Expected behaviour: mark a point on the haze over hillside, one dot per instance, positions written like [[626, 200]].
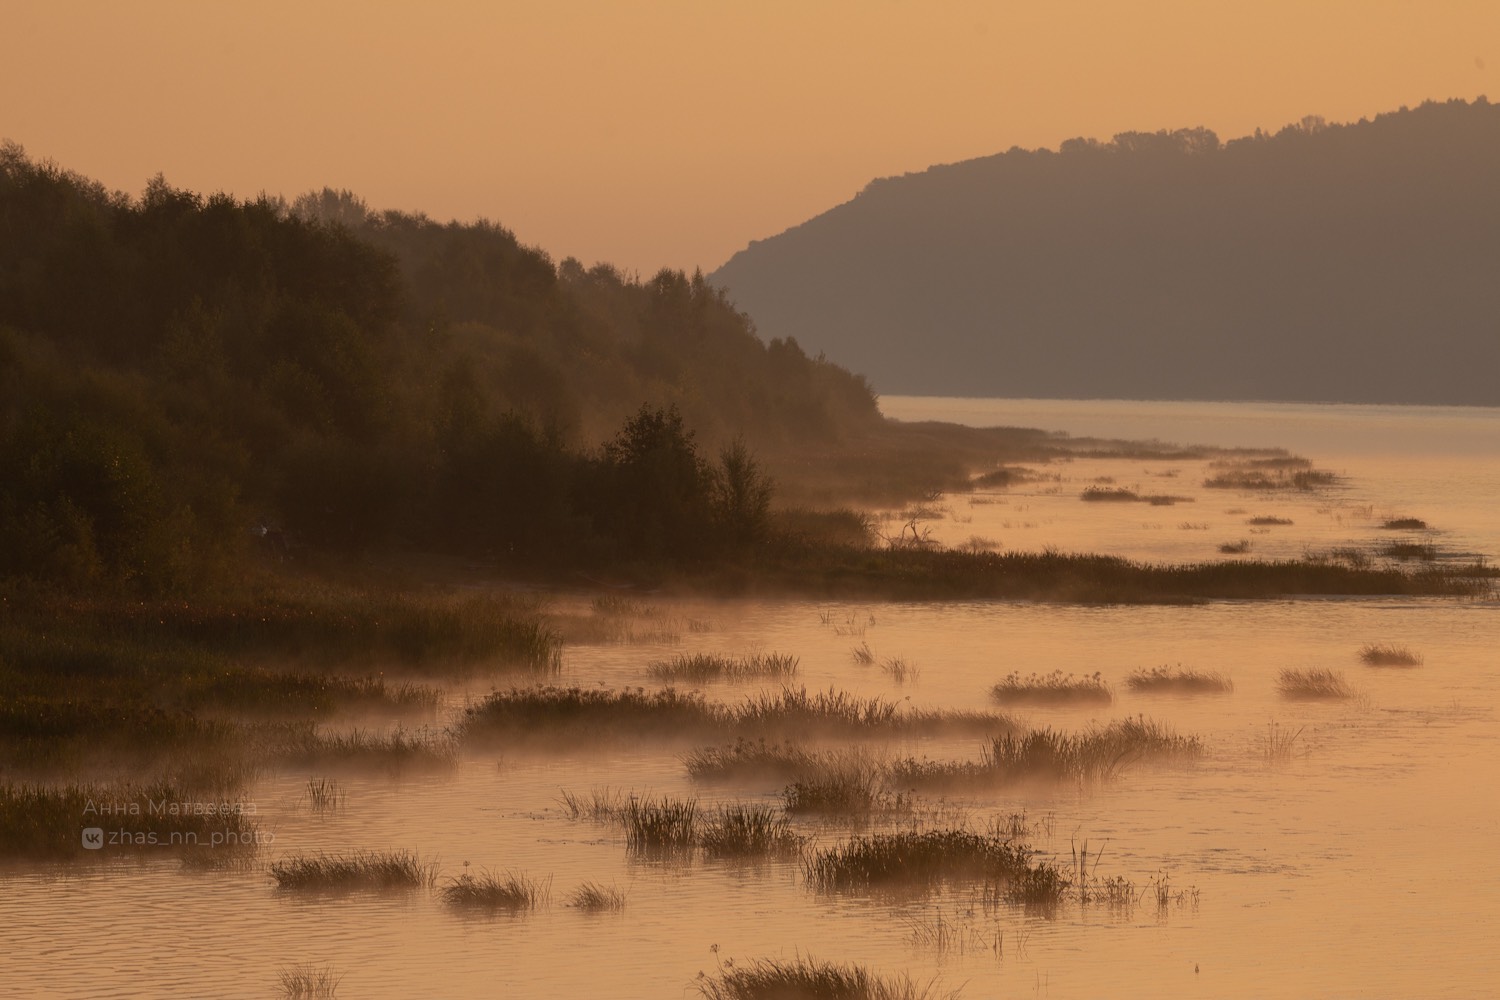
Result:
[[1353, 263]]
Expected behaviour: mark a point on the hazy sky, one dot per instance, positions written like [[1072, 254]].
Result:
[[672, 133]]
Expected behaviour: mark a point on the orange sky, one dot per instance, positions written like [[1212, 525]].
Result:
[[672, 133]]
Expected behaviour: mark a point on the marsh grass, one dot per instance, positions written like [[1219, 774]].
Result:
[[1052, 689], [747, 831], [1094, 754], [745, 758], [308, 982], [1405, 524], [702, 667], [1267, 522], [943, 936], [844, 782], [1109, 494], [1280, 743], [863, 655], [1179, 680], [806, 979], [489, 890], [589, 713], [1384, 655], [41, 821], [600, 805], [592, 897], [401, 749], [663, 824], [900, 669], [920, 859], [1238, 548], [1312, 683], [324, 795], [1289, 472], [1409, 551], [360, 870]]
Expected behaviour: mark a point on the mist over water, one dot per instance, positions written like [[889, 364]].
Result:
[[1359, 863]]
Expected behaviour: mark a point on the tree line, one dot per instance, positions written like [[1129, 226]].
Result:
[[181, 373]]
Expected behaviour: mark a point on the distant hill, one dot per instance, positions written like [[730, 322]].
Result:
[[1353, 263]]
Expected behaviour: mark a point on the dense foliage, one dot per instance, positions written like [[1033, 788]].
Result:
[[188, 382]]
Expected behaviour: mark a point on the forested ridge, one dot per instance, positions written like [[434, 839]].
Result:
[[191, 383], [1322, 262]]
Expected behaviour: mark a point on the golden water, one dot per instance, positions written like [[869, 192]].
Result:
[[1363, 866]]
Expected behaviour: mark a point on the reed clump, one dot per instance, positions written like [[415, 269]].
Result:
[[489, 890], [702, 667], [401, 749], [1377, 654], [1313, 683], [308, 982], [1053, 689], [660, 824], [746, 758], [1109, 494], [746, 831], [807, 979], [1266, 522], [593, 897], [1094, 754], [838, 782], [360, 870], [1405, 524], [1409, 551], [1179, 680], [920, 859]]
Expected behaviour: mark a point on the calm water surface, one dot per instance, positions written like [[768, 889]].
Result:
[[1363, 866]]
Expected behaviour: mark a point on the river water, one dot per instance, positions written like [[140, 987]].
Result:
[[1363, 863]]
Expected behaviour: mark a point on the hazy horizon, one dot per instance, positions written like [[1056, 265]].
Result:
[[673, 137]]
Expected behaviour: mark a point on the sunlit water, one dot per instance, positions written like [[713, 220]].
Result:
[[1363, 866]]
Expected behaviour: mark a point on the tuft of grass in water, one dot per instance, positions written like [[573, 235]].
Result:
[[1053, 688], [361, 870], [664, 824], [1280, 743], [1284, 473], [324, 795], [748, 758], [807, 979], [1383, 655], [1179, 679], [591, 897], [900, 669], [742, 831], [1266, 522], [400, 749], [495, 891], [1109, 494], [595, 713], [1405, 524], [713, 667], [1238, 548], [1409, 551], [920, 859], [1094, 754], [600, 805], [1313, 683], [863, 655], [840, 782], [308, 982]]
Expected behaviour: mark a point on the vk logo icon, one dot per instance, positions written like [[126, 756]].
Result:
[[93, 838]]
